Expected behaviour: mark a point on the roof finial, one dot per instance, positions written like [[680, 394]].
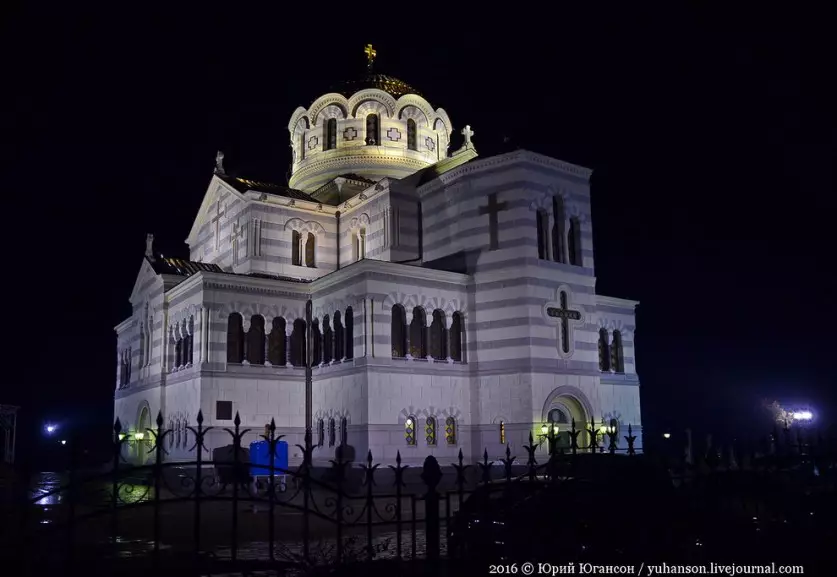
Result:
[[219, 163], [468, 133], [371, 53], [149, 246]]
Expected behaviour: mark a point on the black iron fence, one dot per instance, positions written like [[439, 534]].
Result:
[[208, 517]]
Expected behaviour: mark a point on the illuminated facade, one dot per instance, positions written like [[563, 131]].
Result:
[[454, 297]]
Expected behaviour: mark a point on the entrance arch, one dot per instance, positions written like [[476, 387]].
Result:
[[143, 445], [563, 406]]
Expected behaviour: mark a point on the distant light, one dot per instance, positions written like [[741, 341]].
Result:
[[803, 416], [63, 442], [50, 428], [666, 435], [544, 428], [139, 436]]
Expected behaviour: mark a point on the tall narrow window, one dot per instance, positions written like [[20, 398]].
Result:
[[344, 431], [302, 146], [410, 431], [438, 342], [418, 334], [430, 431], [617, 362], [276, 353], [310, 251], [558, 229], [191, 336], [398, 329], [350, 333], [339, 336], [255, 341], [298, 344], [450, 431], [318, 342], [455, 337], [373, 130], [604, 351], [355, 247], [328, 341], [331, 432], [296, 253], [235, 339], [331, 134], [574, 242], [320, 433], [543, 226], [503, 432], [412, 134]]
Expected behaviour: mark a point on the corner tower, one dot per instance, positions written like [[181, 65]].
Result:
[[374, 127]]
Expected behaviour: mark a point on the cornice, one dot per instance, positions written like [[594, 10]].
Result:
[[615, 302], [357, 155]]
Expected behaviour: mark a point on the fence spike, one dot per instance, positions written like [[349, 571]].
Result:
[[199, 419], [398, 457], [237, 420], [117, 426], [159, 419], [369, 457]]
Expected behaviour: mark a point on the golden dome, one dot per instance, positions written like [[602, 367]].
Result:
[[389, 84]]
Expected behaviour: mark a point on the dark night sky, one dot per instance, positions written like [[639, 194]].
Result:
[[712, 138]]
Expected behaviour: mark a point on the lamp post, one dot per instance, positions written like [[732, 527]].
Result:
[[550, 433]]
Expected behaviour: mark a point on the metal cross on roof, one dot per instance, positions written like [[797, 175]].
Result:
[[371, 53]]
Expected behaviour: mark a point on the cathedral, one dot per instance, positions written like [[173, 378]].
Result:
[[454, 298]]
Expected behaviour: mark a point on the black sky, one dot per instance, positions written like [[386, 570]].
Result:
[[711, 136]]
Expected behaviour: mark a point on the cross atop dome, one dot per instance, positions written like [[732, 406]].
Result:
[[371, 53]]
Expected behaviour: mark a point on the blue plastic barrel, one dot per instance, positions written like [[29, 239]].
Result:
[[260, 458]]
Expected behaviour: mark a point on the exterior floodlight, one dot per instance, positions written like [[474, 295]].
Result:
[[544, 429], [803, 416], [63, 442], [139, 436], [50, 429], [666, 435]]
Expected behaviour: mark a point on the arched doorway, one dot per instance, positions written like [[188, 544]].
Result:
[[142, 436], [563, 406]]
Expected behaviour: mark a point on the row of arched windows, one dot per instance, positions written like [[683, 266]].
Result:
[[561, 242], [124, 367], [182, 344], [411, 431], [333, 342], [373, 133], [303, 250], [418, 340], [610, 352], [332, 432]]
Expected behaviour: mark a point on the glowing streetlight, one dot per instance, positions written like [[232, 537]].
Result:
[[666, 435], [803, 416], [63, 442], [50, 428]]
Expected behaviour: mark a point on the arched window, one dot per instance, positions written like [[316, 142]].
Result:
[[331, 134], [373, 130], [543, 227], [298, 344], [604, 351], [503, 432], [412, 134], [418, 334], [430, 431], [339, 338], [574, 242], [398, 329], [344, 431], [558, 229], [296, 248], [235, 338], [320, 433], [410, 431], [310, 251], [276, 353], [355, 247], [318, 343], [302, 146], [456, 337], [350, 333], [558, 416], [450, 431], [190, 335], [178, 434], [617, 362], [255, 341], [171, 433], [328, 341], [178, 352], [362, 243], [331, 432], [142, 345], [438, 336]]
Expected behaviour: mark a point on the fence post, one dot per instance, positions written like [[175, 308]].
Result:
[[630, 438], [431, 475], [485, 466], [531, 462], [158, 471], [574, 437]]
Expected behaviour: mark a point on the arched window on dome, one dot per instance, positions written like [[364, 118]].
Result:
[[412, 134], [330, 141], [373, 130]]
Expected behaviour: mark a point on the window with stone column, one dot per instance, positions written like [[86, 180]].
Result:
[[574, 242], [331, 432], [350, 333], [604, 350], [398, 329], [412, 134], [311, 251], [276, 353], [558, 229], [255, 340], [331, 134], [418, 334], [339, 338], [617, 361], [298, 344], [438, 336], [317, 347], [542, 228], [373, 130], [296, 248], [456, 337], [235, 338], [328, 341]]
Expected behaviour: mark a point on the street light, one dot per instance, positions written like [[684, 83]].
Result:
[[544, 429], [666, 435], [803, 416], [50, 428]]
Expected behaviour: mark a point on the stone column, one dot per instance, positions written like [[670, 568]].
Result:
[[409, 316], [268, 323], [365, 325], [550, 238], [289, 329], [448, 324], [246, 326], [565, 238]]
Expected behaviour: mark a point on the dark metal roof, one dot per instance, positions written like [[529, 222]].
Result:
[[181, 267], [277, 277], [245, 184], [389, 84]]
